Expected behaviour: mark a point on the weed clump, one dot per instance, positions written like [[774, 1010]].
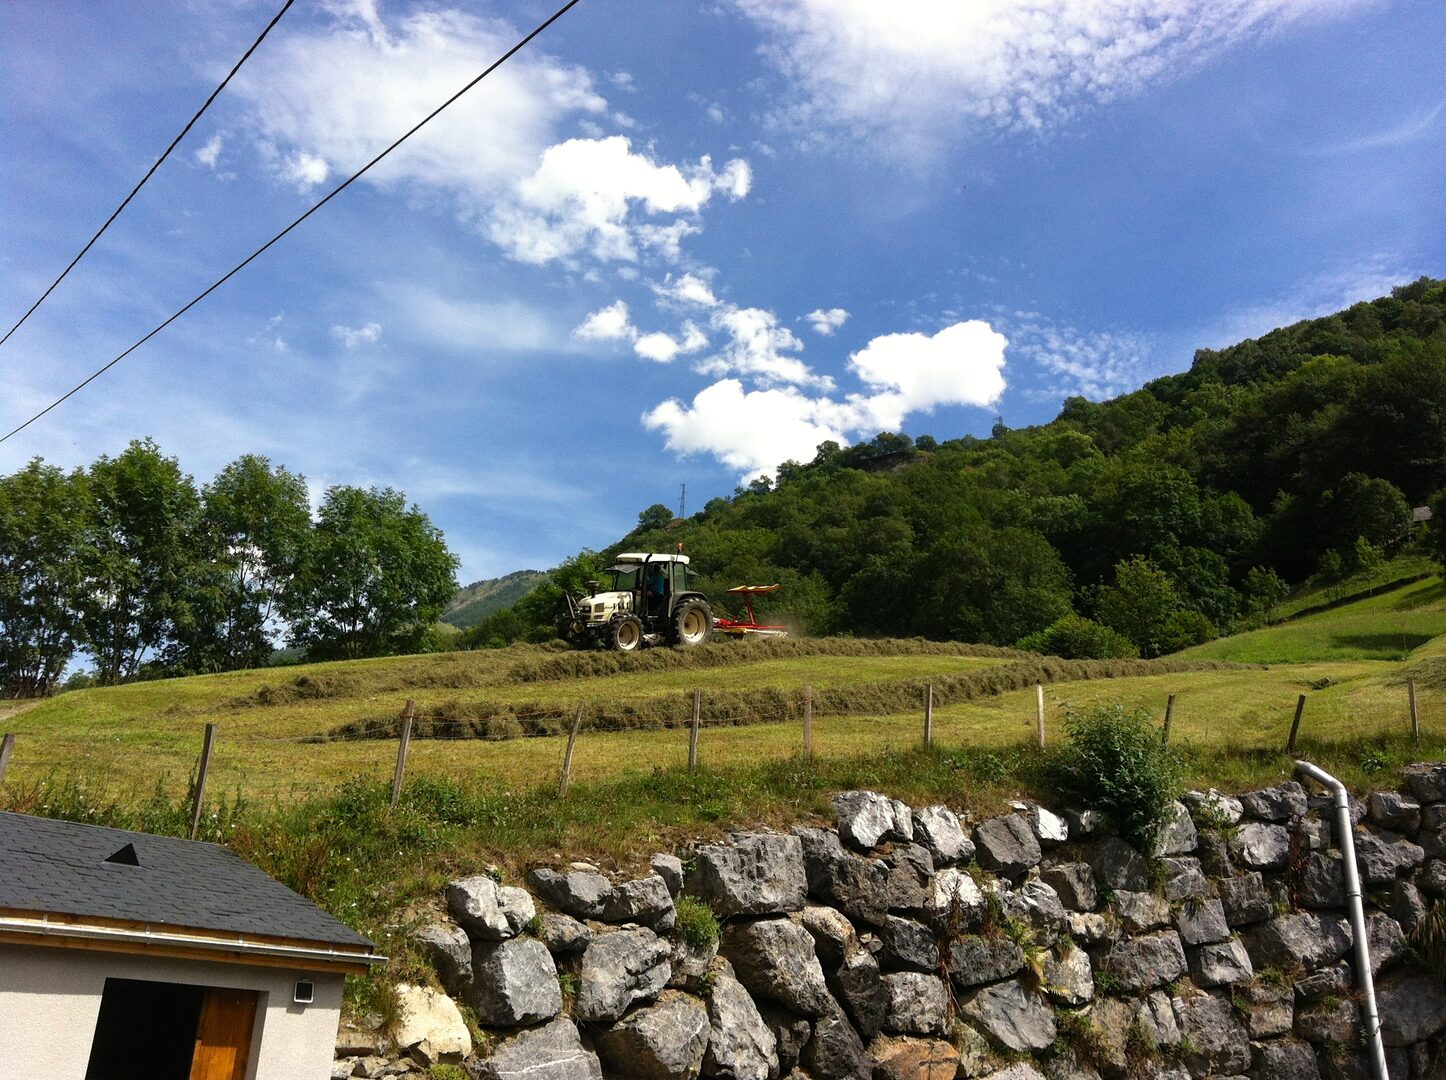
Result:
[[697, 925], [1113, 760]]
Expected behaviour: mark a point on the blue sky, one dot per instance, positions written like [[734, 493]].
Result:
[[680, 242]]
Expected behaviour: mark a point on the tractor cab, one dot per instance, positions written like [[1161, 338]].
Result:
[[642, 599]]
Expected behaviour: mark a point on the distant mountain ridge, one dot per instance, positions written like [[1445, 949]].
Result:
[[476, 601]]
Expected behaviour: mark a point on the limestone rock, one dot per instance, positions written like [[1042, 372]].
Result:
[[1144, 962], [1085, 824], [1383, 857], [1335, 1020], [553, 1051], [913, 1059], [690, 963], [1306, 938], [1388, 943], [1088, 928], [1260, 846], [1118, 866], [670, 869], [1427, 781], [954, 897], [1006, 844], [619, 969], [1184, 879], [1201, 922], [1019, 1018], [1049, 828], [1285, 1059], [1156, 1017], [758, 874], [1391, 810], [1068, 976], [1271, 1010], [1217, 1041], [1177, 835], [1221, 964], [1320, 883], [775, 959], [1140, 912], [1412, 1006], [861, 990], [1245, 899], [740, 1044], [1276, 804], [514, 982], [583, 894], [1074, 884], [790, 1031], [1213, 809], [917, 1003], [834, 937], [976, 960], [447, 947], [907, 945], [432, 1029], [562, 934], [661, 1041], [1334, 980], [646, 901], [488, 910], [866, 819], [836, 1049], [939, 830], [1407, 907]]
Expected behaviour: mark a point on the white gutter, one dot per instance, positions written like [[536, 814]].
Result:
[[43, 927], [1345, 834]]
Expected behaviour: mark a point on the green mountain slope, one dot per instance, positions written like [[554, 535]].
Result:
[[475, 602]]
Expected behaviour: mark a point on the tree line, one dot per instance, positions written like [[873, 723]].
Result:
[[132, 563], [1138, 525]]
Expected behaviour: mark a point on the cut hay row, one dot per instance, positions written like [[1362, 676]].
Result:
[[491, 720]]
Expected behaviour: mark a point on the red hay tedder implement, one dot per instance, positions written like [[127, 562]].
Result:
[[739, 628]]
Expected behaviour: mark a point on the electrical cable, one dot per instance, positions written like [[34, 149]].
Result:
[[317, 206], [150, 172]]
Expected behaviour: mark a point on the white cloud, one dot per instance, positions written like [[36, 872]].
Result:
[[352, 336], [687, 289], [583, 194], [305, 170], [759, 347], [756, 430], [1096, 365], [664, 347], [826, 322], [918, 68], [611, 323], [210, 153]]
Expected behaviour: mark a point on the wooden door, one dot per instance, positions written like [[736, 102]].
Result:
[[223, 1034]]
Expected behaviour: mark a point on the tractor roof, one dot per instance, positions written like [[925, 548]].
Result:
[[643, 556]]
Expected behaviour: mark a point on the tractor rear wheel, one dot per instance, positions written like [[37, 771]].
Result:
[[692, 623], [627, 635]]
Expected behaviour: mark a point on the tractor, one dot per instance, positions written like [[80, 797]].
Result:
[[646, 599]]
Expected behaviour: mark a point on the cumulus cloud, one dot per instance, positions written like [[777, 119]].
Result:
[[760, 347], [305, 170], [920, 67], [756, 430], [664, 347], [210, 153], [826, 322], [687, 289], [614, 323], [352, 336], [611, 323], [583, 193]]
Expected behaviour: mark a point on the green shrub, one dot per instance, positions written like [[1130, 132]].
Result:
[[697, 925], [446, 1072], [1114, 761], [1073, 637]]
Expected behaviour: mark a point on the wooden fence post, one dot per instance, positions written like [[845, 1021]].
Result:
[[1169, 717], [1295, 725], [808, 724], [929, 716], [406, 740], [1410, 692], [201, 771], [7, 747], [1039, 711], [693, 731], [567, 755]]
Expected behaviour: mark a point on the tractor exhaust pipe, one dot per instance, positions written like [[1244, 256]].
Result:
[[1370, 1016]]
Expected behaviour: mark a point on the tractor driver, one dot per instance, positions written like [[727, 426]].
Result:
[[657, 587]]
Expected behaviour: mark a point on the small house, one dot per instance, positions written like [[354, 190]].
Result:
[[126, 956]]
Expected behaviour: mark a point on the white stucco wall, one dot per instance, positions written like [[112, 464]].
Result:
[[50, 999]]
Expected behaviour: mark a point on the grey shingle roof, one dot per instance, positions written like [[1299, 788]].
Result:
[[59, 867]]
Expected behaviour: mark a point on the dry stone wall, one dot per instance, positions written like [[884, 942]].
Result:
[[906, 943]]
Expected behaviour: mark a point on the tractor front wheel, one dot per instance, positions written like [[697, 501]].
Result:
[[693, 624], [627, 635]]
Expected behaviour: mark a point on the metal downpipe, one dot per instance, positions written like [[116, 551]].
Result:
[[1355, 911]]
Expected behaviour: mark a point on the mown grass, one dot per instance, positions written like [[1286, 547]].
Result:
[[1385, 626]]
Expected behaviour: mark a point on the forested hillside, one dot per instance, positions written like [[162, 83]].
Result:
[[476, 601], [1149, 522]]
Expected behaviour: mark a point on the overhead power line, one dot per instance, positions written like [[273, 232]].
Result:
[[151, 171], [559, 13]]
